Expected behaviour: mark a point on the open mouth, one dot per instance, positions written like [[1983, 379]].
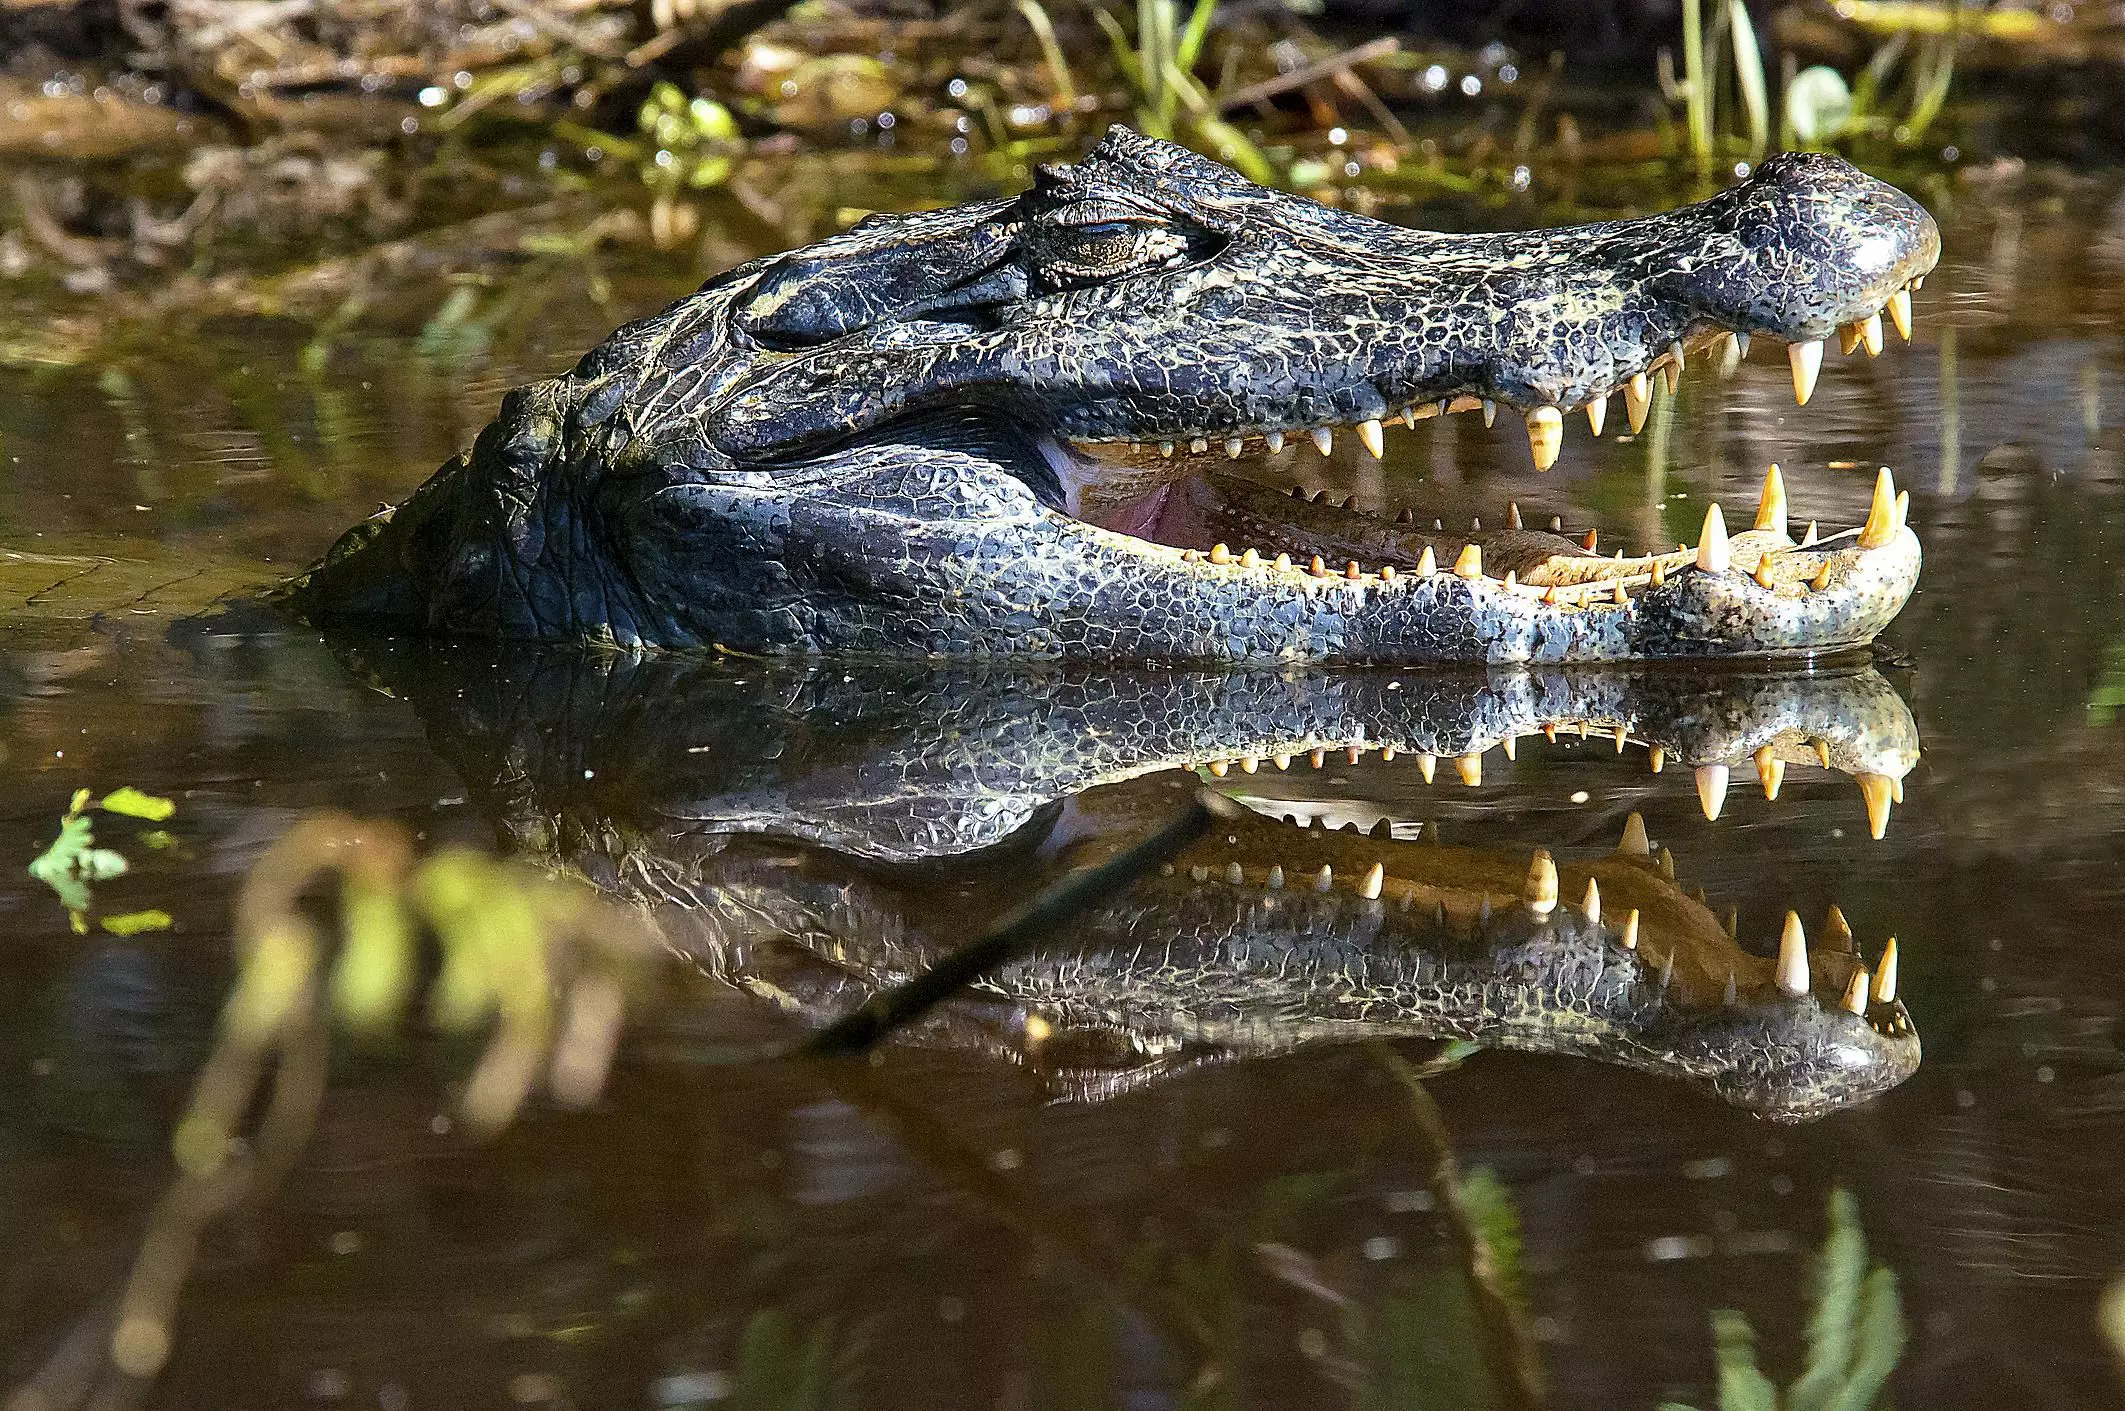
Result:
[[1769, 589]]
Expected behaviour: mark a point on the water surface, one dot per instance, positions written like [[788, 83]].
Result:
[[939, 1230]]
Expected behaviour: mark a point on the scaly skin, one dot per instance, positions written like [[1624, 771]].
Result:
[[663, 780], [879, 443]]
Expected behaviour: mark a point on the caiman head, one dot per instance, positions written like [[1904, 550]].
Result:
[[890, 440], [806, 832]]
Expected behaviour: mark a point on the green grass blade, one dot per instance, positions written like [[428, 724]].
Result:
[[1059, 75], [1749, 76], [1190, 47]]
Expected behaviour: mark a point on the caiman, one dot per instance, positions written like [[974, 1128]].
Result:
[[897, 440], [810, 835]]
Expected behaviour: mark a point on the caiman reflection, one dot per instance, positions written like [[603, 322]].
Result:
[[682, 785]]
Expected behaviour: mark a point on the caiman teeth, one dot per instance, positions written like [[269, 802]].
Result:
[[1540, 889], [1597, 412], [1324, 439], [1881, 525], [1870, 334], [1792, 969], [1712, 789], [1884, 989], [1807, 365], [1771, 505], [1856, 993], [1900, 312], [1374, 439], [1713, 553], [1545, 435], [1637, 400]]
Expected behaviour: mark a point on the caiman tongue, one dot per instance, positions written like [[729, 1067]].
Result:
[[1200, 511]]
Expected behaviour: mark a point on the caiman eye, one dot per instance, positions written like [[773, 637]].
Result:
[[1070, 255]]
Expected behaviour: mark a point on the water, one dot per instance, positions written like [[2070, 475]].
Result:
[[940, 1230]]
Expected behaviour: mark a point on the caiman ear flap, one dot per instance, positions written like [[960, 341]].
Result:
[[885, 268]]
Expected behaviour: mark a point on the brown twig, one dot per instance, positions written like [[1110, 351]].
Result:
[[1309, 74]]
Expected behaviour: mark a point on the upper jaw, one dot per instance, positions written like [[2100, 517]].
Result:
[[1381, 324]]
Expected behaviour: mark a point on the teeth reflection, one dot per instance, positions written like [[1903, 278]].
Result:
[[1792, 970]]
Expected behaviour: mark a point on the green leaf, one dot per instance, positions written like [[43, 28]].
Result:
[[61, 860], [1839, 1270], [134, 923], [1742, 1386], [134, 804], [1879, 1344]]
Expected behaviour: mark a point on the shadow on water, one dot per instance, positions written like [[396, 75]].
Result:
[[1095, 1181]]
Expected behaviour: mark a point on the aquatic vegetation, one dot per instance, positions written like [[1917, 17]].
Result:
[[73, 863], [1171, 102], [1855, 1332]]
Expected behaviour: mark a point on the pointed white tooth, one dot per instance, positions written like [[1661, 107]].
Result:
[[1713, 554], [1540, 889], [1409, 417], [1427, 563], [1635, 842], [1630, 930], [1276, 876], [1545, 435], [1233, 446], [1490, 413], [1324, 439], [1807, 540], [1712, 789], [1275, 440], [1771, 504], [1198, 446], [1369, 888], [1234, 874], [1793, 957], [1807, 365], [1900, 313], [1592, 905], [1375, 440], [1885, 974], [1470, 563], [1741, 341], [1856, 992], [1870, 334], [1325, 878], [1165, 448], [1597, 412], [1880, 527], [1637, 400]]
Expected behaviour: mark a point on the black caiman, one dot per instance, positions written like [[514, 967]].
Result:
[[895, 440], [811, 834]]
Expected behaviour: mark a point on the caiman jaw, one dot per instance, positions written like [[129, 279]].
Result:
[[1841, 1017], [1756, 593], [1545, 423]]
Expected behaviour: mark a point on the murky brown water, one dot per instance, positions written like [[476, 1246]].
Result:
[[936, 1230]]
